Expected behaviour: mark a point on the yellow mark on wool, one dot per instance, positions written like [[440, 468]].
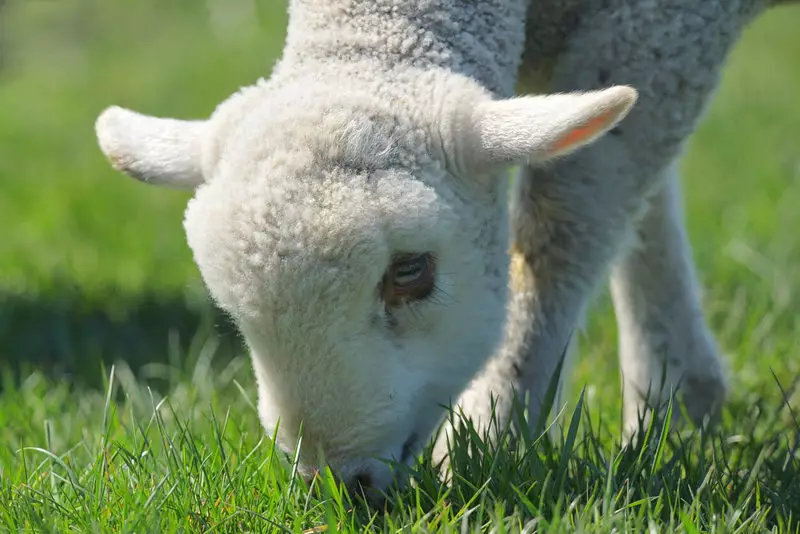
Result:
[[520, 278]]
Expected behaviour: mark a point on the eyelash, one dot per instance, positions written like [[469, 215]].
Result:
[[411, 312]]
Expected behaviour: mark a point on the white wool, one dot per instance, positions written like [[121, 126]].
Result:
[[386, 128], [614, 208]]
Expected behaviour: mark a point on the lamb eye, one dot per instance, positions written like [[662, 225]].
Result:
[[410, 277]]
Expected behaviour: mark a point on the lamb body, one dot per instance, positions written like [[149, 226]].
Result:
[[386, 128], [615, 207], [371, 163]]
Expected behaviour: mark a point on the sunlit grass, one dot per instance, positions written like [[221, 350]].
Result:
[[127, 403]]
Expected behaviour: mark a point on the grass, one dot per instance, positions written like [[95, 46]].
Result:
[[127, 403]]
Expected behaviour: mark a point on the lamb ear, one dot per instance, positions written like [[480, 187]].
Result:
[[534, 129], [151, 149]]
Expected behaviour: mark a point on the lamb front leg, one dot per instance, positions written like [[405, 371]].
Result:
[[657, 301]]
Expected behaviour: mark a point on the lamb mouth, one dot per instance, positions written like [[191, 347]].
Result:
[[408, 448]]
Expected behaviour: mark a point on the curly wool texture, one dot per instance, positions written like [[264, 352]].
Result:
[[480, 40], [386, 129], [614, 208]]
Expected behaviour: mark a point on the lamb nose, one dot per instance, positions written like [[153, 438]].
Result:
[[363, 480], [361, 483]]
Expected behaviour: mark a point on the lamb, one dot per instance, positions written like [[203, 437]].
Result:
[[350, 213], [614, 208]]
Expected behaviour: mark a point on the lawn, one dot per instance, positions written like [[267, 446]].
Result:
[[127, 402]]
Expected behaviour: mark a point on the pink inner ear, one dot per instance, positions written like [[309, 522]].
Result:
[[583, 133]]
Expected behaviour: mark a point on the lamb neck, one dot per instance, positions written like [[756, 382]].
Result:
[[479, 39]]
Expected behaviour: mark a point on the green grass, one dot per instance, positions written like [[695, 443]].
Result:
[[95, 273]]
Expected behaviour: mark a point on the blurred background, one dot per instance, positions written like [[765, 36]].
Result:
[[94, 266]]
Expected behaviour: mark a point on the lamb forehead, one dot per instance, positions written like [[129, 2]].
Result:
[[297, 229], [346, 128]]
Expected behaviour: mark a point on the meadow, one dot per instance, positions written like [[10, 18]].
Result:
[[127, 403]]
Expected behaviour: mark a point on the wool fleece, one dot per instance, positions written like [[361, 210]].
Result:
[[350, 213]]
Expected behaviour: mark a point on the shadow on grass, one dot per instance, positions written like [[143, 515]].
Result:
[[67, 336]]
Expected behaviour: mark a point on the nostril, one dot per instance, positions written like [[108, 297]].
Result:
[[367, 487], [360, 485], [362, 481], [408, 448]]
